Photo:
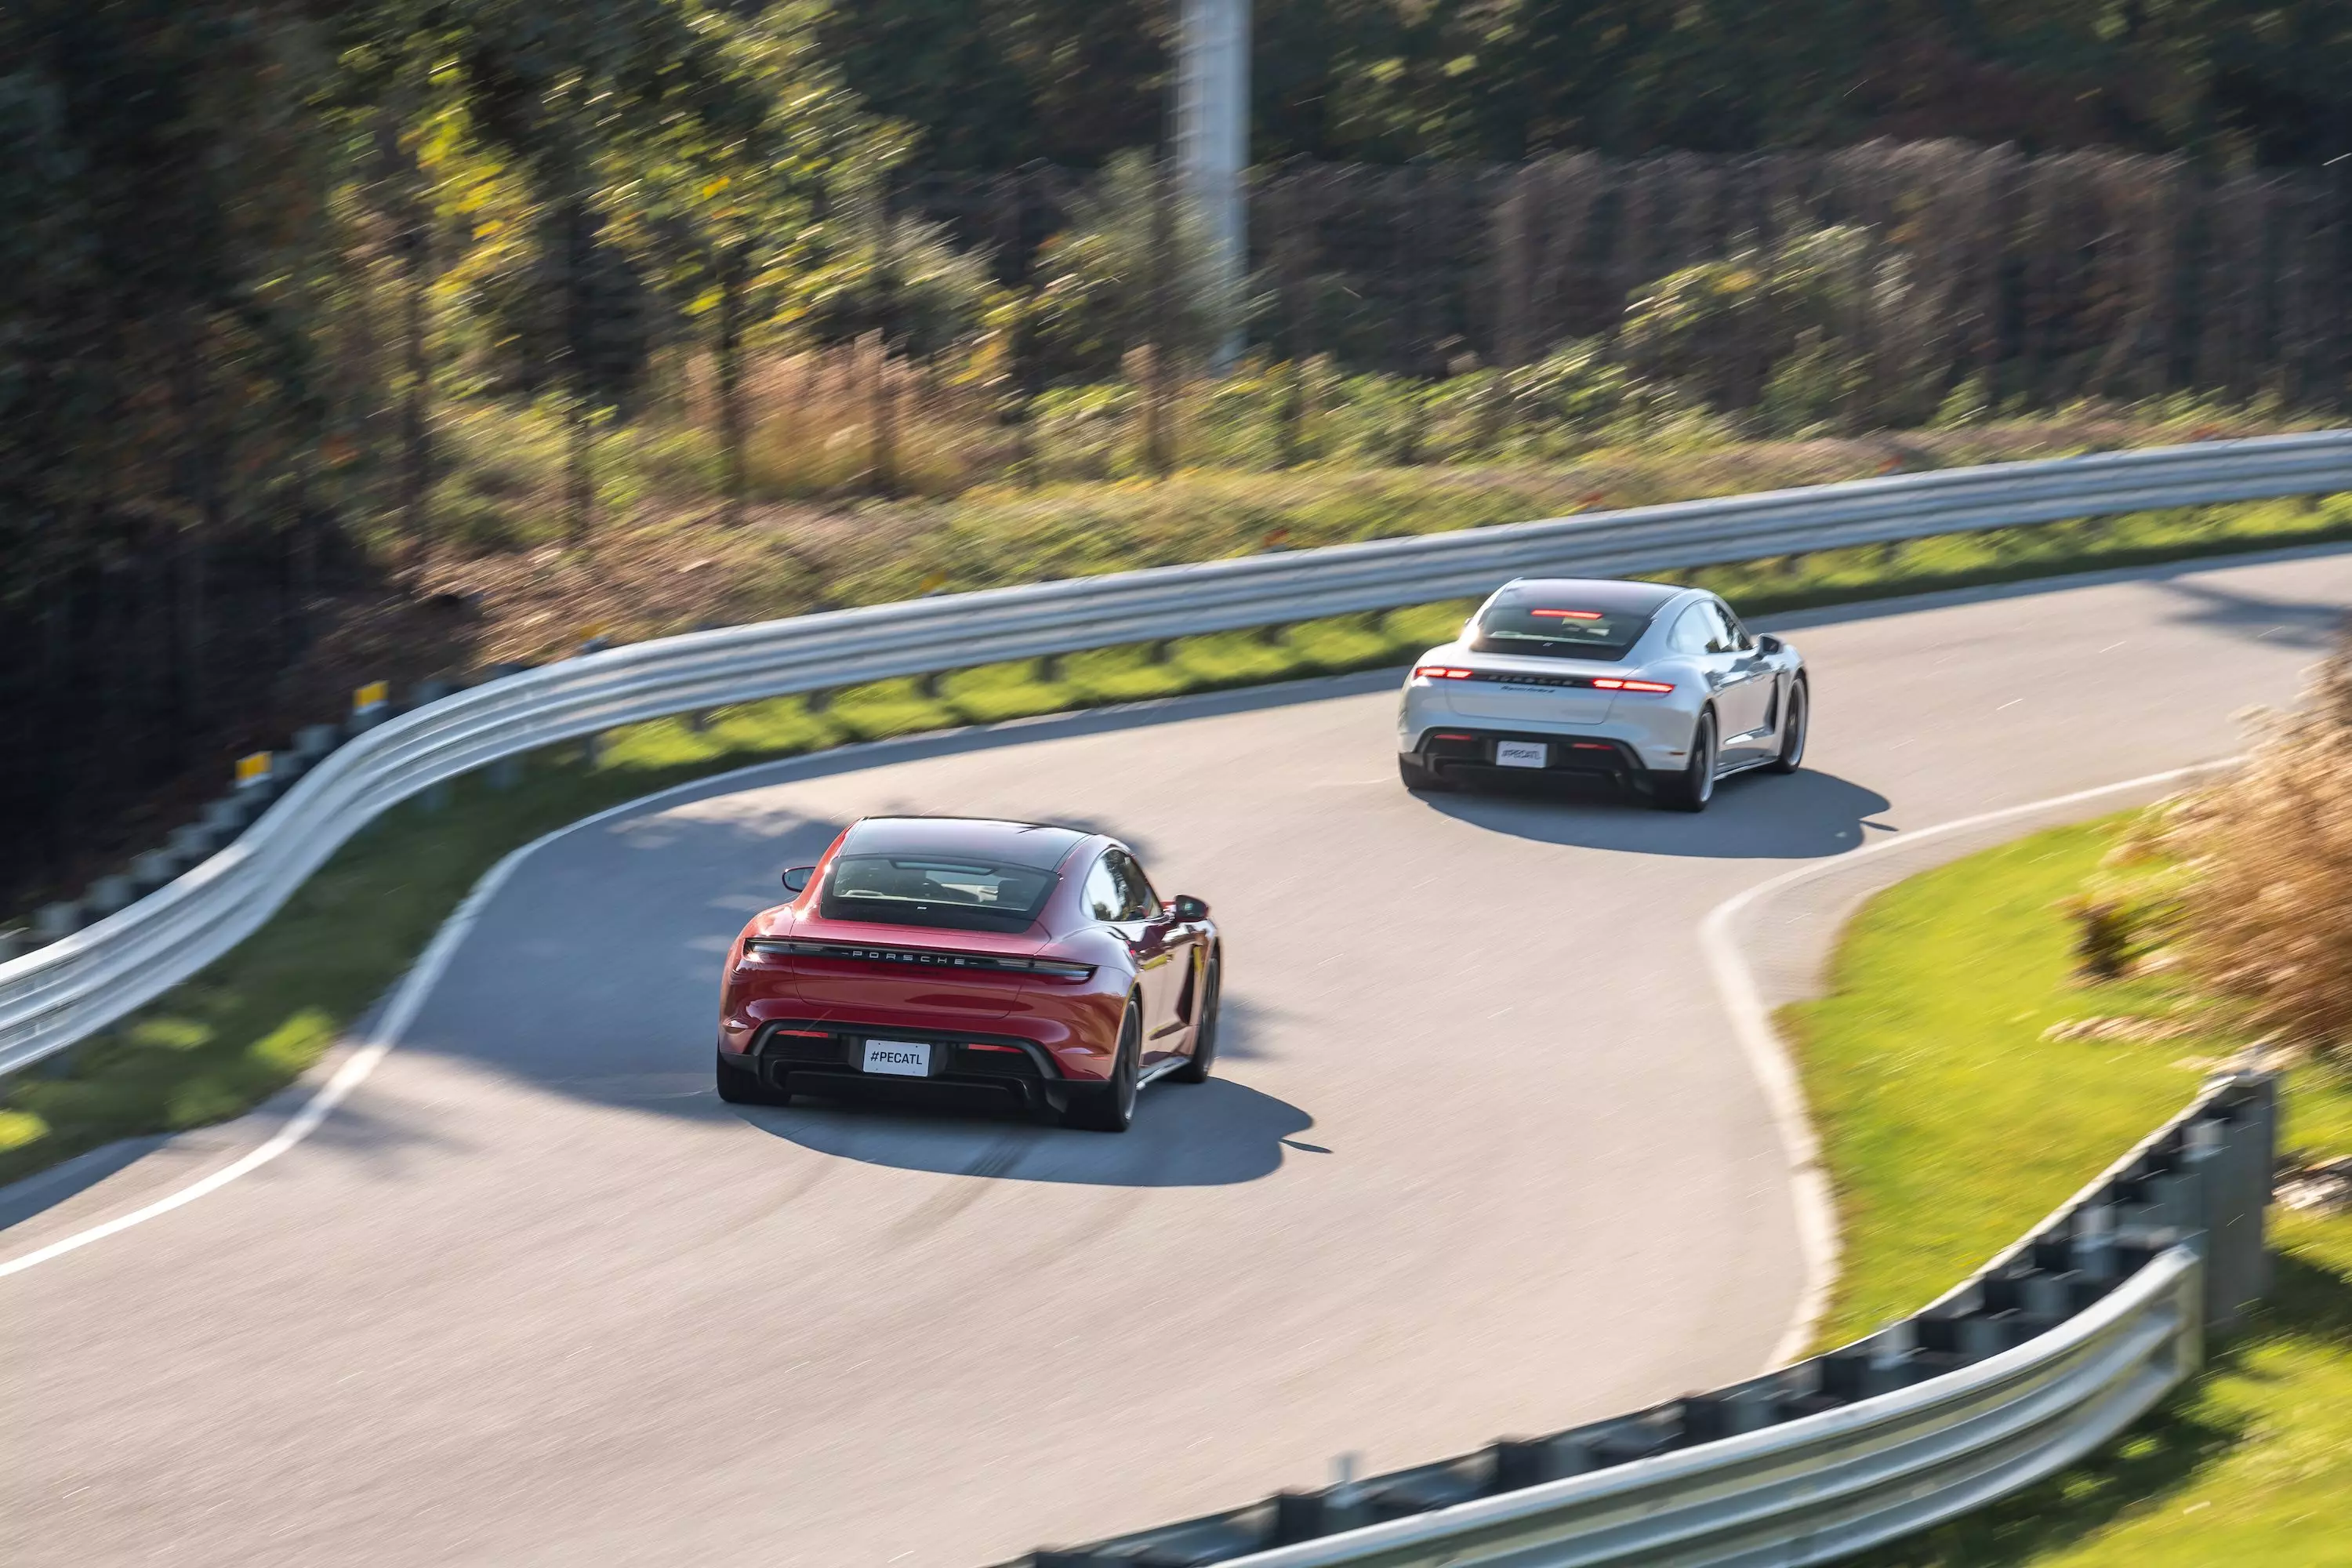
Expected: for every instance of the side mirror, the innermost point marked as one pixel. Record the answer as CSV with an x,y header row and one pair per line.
x,y
797,879
1185,907
1771,644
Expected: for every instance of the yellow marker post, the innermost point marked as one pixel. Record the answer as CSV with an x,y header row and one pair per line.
x,y
253,768
374,694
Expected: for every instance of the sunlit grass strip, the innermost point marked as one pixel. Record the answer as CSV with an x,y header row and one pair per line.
x,y
263,1015
1951,1126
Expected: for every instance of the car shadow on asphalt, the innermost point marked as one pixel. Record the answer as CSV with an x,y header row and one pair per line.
x,y
1754,816
1184,1135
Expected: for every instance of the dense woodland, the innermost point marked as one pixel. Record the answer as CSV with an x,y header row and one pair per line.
x,y
297,296
992,83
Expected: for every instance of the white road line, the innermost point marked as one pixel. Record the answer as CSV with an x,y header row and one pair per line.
x,y
1776,1073
407,997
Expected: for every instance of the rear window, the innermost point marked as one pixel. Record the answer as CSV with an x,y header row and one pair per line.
x,y
934,890
1558,629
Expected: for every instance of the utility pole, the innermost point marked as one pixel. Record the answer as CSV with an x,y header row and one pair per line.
x,y
1213,95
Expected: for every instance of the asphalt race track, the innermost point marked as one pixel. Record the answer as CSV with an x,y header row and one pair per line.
x,y
1481,1158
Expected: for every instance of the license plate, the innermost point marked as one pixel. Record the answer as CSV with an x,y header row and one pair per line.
x,y
1521,753
898,1058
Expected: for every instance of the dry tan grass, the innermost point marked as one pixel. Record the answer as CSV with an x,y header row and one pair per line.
x,y
2269,909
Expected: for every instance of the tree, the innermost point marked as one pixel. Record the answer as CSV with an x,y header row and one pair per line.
x,y
724,212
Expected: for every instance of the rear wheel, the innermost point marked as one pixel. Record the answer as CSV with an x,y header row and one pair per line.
x,y
1110,1107
1416,776
1793,729
1204,1026
741,1085
1692,787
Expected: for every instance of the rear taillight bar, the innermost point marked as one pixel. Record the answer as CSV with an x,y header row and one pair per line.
x,y
928,957
1612,683
1439,672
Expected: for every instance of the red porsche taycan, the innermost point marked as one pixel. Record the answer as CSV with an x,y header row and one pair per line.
x,y
926,955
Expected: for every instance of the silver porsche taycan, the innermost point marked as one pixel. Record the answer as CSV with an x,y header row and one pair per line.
x,y
1655,685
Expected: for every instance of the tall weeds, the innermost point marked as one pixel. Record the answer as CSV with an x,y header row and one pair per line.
x,y
2269,911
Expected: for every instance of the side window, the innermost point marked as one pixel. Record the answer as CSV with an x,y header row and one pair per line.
x,y
1103,895
1136,900
1738,640
1694,632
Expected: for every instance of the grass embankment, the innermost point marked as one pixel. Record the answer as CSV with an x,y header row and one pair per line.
x,y
262,1015
1951,1125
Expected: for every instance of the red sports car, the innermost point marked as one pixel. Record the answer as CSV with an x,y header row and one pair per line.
x,y
1011,959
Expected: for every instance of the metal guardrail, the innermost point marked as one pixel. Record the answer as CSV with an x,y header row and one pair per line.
x,y
2045,1355
65,991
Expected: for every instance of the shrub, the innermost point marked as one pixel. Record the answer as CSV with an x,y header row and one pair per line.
x,y
2269,911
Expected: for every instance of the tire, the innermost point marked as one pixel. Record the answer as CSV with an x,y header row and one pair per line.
x,y
1416,777
1111,1107
1691,788
1793,729
741,1085
1204,1031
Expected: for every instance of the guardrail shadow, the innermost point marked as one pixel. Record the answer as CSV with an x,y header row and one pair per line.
x,y
2254,617
1757,817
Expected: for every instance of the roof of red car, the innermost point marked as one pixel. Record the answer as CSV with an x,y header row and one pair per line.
x,y
1040,845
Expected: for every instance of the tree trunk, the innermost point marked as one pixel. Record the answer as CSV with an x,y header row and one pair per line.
x,y
882,416
580,490
415,412
731,432
1158,455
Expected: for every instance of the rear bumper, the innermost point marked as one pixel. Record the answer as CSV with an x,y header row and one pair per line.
x,y
1461,751
823,1057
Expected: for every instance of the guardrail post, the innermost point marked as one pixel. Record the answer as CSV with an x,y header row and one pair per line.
x,y
53,922
314,741
2233,1149
107,895
1531,1461
225,818
152,870
192,842
506,772
370,706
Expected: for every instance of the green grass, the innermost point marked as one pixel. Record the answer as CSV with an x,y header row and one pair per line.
x,y
262,1015
1951,1126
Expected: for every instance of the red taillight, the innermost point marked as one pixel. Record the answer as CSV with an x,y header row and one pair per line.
x,y
1611,683
1569,615
808,1033
1440,672
1008,1050
1450,735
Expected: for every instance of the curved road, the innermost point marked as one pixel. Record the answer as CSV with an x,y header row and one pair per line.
x,y
1481,1158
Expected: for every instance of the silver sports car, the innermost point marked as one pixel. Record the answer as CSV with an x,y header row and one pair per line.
x,y
1658,686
